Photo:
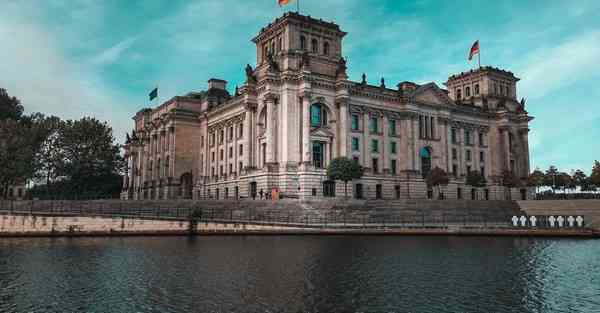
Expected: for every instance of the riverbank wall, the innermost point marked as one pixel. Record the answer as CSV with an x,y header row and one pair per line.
x,y
77,226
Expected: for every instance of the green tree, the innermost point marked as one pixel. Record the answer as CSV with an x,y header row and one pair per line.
x,y
550,178
579,179
475,179
345,170
510,180
20,140
437,178
595,176
92,161
10,107
536,179
50,156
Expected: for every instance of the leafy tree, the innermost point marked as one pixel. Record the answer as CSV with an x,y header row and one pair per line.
x,y
19,141
10,107
595,176
579,179
92,160
563,181
510,180
50,155
437,178
475,179
550,178
536,179
344,169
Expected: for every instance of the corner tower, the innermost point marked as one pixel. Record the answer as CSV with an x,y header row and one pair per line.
x,y
484,86
299,42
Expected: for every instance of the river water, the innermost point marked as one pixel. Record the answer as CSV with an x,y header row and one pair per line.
x,y
299,274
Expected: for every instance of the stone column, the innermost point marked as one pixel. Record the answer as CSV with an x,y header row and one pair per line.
x,y
366,152
385,159
270,132
306,128
343,128
248,138
525,157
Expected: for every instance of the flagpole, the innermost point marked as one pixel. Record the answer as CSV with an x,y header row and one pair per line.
x,y
479,56
298,6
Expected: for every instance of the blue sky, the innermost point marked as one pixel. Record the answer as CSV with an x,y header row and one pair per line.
x,y
101,58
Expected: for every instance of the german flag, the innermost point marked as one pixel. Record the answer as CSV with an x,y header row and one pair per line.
x,y
283,2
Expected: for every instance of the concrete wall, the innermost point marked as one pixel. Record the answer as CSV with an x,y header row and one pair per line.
x,y
588,208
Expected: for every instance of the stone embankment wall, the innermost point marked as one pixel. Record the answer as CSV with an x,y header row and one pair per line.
x,y
588,208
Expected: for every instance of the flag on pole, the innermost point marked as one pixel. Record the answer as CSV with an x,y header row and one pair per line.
x,y
153,94
474,50
283,2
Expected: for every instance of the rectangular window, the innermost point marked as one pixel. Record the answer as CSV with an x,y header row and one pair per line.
x,y
241,166
241,130
476,89
212,157
467,137
241,148
454,154
393,147
221,170
453,135
355,144
318,152
481,143
375,165
373,127
392,128
355,122
482,171
230,168
230,152
374,145
393,167
481,157
454,170
468,152
468,169
230,133
221,155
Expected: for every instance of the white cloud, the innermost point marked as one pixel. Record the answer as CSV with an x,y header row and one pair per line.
x,y
549,69
36,70
113,53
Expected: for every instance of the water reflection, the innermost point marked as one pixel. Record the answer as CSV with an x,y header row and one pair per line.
x,y
299,274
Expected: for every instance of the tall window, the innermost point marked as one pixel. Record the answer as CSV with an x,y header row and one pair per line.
x,y
241,149
481,156
421,126
393,147
318,115
393,167
326,48
453,135
375,165
476,89
454,154
458,94
467,137
302,43
355,122
318,154
468,153
392,127
374,145
468,92
315,46
481,143
373,127
425,154
355,144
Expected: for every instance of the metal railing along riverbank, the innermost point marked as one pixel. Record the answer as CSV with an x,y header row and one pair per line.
x,y
338,217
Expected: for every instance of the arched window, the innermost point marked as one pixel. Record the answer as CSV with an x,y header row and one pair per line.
x,y
476,89
318,115
468,92
326,48
458,94
302,43
425,155
315,46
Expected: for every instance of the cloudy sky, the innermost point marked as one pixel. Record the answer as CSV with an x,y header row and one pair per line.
x,y
101,58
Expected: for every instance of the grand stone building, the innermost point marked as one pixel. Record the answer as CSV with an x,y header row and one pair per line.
x,y
298,110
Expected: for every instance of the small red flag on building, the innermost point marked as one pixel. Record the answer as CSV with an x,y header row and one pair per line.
x,y
283,2
474,50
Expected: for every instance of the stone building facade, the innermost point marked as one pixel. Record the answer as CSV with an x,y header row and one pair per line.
x,y
298,110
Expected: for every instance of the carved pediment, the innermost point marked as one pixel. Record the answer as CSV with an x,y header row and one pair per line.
x,y
430,94
321,132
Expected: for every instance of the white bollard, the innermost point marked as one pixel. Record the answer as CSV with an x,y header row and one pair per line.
x,y
579,220
571,220
532,221
551,220
523,220
560,221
